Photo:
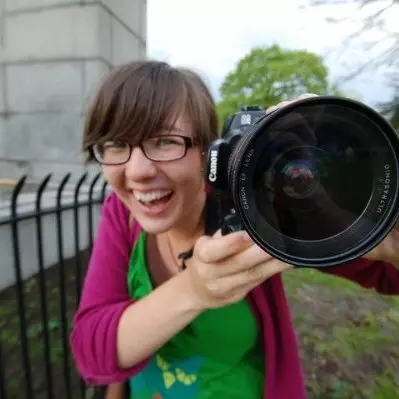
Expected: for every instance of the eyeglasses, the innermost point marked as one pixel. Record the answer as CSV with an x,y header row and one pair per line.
x,y
158,148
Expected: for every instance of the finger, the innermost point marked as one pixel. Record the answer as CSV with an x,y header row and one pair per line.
x,y
306,95
271,109
216,248
246,259
286,102
218,234
275,107
372,255
248,279
264,271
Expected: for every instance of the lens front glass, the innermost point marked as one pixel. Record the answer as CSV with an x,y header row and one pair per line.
x,y
319,173
302,174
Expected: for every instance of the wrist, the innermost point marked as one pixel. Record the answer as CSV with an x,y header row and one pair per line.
x,y
189,297
395,262
390,258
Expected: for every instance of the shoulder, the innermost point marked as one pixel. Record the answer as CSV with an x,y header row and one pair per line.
x,y
115,211
117,215
112,204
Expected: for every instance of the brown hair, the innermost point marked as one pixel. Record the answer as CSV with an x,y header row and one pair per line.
x,y
138,99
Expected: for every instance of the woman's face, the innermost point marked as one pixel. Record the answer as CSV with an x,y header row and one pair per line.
x,y
140,182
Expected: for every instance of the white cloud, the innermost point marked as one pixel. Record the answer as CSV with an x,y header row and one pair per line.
x,y
212,35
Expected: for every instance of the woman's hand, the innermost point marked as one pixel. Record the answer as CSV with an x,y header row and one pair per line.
x,y
388,249
284,103
224,269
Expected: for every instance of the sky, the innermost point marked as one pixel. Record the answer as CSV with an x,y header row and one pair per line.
x,y
211,36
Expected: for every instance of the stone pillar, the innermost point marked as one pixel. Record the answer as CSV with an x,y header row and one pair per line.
x,y
53,53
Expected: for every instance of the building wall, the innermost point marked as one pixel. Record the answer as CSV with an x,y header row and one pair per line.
x,y
53,54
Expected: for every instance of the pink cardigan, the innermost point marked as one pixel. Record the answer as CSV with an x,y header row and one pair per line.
x,y
105,297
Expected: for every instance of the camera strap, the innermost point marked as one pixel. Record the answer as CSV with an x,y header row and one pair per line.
x,y
184,256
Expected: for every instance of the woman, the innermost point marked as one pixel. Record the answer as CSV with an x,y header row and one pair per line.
x,y
217,326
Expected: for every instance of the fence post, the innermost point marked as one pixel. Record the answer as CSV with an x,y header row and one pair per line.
x,y
61,275
42,285
46,372
20,288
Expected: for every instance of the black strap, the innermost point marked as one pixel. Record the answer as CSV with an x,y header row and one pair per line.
x,y
184,256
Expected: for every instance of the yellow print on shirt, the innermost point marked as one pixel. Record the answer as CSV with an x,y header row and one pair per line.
x,y
172,375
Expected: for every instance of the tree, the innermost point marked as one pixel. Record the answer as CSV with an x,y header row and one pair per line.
x,y
267,76
385,43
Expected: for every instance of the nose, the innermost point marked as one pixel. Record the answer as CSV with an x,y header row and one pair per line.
x,y
139,167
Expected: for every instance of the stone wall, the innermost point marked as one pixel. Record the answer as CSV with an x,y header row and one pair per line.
x,y
53,53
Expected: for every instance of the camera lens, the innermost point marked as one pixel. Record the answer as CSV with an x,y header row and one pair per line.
x,y
295,189
298,179
316,182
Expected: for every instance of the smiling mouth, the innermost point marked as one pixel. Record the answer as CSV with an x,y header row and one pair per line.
x,y
153,199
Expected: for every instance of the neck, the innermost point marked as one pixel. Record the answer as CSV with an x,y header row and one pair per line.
x,y
183,237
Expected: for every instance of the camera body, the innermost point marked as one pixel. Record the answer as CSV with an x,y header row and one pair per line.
x,y
314,183
220,212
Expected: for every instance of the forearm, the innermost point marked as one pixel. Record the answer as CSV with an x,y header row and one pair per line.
x,y
382,276
116,391
149,323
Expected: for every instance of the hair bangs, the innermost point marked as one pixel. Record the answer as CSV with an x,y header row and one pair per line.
x,y
142,99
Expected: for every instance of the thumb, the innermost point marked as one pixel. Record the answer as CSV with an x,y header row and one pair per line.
x,y
217,234
373,254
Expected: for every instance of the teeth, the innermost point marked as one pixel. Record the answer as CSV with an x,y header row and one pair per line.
x,y
151,196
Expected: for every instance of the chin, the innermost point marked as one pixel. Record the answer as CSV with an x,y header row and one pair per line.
x,y
155,226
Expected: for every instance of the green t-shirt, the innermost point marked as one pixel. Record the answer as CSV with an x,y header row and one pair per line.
x,y
216,356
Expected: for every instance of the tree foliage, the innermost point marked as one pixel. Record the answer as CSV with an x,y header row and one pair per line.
x,y
383,42
267,76
385,45
374,14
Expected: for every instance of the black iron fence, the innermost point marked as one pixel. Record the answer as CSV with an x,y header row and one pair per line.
x,y
45,240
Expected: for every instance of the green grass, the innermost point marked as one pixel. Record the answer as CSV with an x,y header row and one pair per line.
x,y
348,336
11,341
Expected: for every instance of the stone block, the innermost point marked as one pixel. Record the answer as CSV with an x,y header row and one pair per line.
x,y
43,136
128,11
13,170
15,138
20,5
143,21
46,86
125,46
53,56
39,170
74,32
94,71
2,90
61,140
58,170
103,32
2,136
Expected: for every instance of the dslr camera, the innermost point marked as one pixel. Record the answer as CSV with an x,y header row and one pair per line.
x,y
314,183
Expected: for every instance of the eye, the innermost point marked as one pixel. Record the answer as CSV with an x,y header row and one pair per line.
x,y
167,141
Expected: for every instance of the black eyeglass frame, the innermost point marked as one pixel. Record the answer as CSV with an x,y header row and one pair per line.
x,y
188,143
